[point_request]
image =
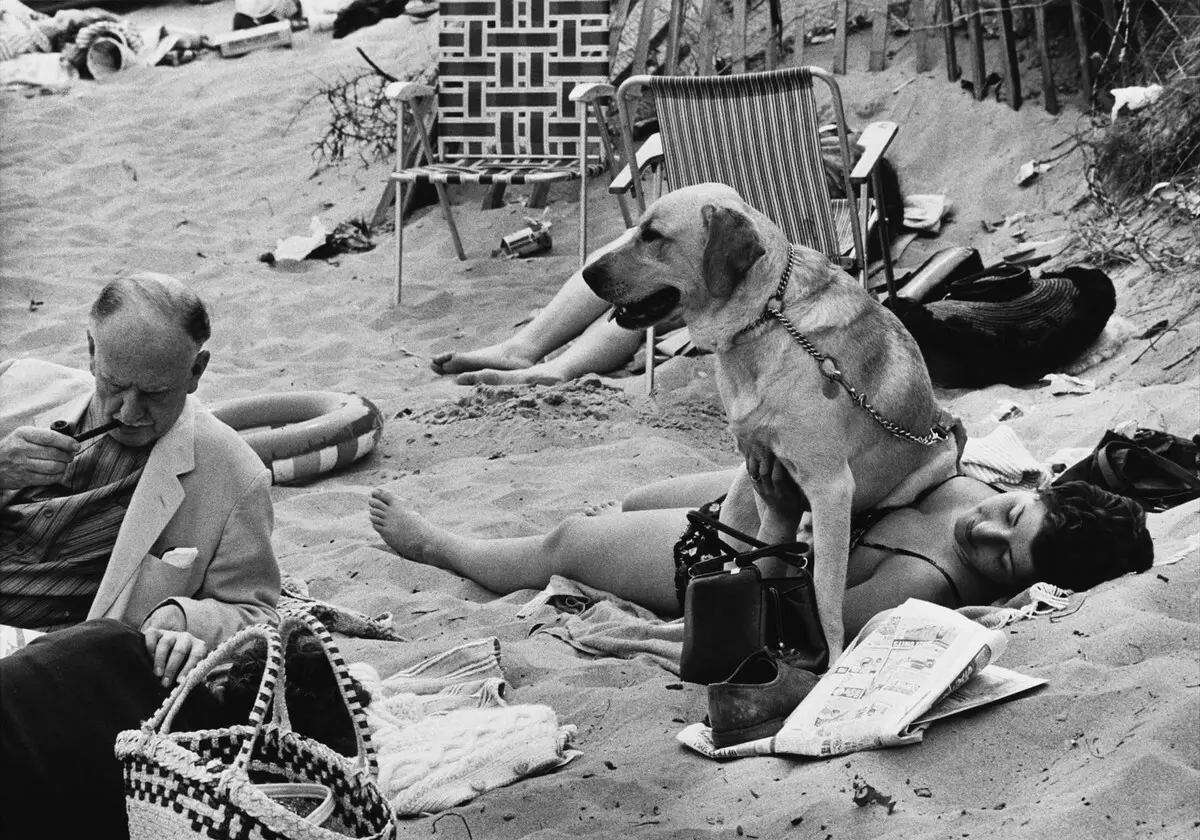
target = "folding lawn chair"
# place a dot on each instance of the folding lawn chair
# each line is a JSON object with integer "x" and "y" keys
{"x": 519, "y": 94}
{"x": 760, "y": 133}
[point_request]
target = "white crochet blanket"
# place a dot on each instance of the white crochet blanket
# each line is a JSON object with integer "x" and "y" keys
{"x": 444, "y": 733}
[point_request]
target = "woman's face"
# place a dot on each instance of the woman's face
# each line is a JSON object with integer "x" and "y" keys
{"x": 995, "y": 535}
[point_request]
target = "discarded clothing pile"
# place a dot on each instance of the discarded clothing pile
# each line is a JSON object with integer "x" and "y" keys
{"x": 1001, "y": 324}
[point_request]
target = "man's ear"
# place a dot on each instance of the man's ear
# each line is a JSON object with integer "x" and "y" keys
{"x": 732, "y": 248}
{"x": 91, "y": 353}
{"x": 199, "y": 365}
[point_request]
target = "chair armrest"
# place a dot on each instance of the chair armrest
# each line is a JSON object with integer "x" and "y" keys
{"x": 874, "y": 141}
{"x": 649, "y": 153}
{"x": 591, "y": 91}
{"x": 408, "y": 91}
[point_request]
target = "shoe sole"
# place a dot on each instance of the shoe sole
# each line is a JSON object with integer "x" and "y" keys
{"x": 730, "y": 737}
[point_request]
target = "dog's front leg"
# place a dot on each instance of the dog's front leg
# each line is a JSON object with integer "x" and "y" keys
{"x": 831, "y": 506}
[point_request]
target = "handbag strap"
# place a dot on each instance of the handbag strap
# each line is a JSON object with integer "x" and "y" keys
{"x": 1122, "y": 484}
{"x": 793, "y": 553}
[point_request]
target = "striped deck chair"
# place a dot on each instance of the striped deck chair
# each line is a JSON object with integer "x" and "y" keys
{"x": 760, "y": 133}
{"x": 518, "y": 101}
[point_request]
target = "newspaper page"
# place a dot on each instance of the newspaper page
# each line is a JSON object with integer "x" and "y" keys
{"x": 895, "y": 671}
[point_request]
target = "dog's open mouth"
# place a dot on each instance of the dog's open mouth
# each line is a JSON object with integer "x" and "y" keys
{"x": 649, "y": 310}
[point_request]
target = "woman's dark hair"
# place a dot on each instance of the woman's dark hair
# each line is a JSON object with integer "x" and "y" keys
{"x": 314, "y": 701}
{"x": 1090, "y": 536}
{"x": 162, "y": 293}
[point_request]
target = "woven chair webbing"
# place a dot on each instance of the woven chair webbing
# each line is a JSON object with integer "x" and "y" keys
{"x": 759, "y": 134}
{"x": 505, "y": 72}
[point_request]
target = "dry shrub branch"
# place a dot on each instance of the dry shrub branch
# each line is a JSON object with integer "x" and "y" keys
{"x": 1131, "y": 158}
{"x": 362, "y": 120}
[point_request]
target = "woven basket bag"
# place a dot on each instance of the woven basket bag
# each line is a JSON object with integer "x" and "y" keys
{"x": 220, "y": 783}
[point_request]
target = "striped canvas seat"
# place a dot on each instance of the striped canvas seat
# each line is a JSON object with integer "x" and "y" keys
{"x": 518, "y": 95}
{"x": 760, "y": 133}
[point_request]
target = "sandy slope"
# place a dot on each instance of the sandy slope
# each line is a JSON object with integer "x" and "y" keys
{"x": 198, "y": 170}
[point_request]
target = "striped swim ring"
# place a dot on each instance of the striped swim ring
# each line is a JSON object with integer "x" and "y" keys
{"x": 303, "y": 434}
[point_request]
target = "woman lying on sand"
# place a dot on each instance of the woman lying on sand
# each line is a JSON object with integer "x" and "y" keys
{"x": 961, "y": 542}
{"x": 574, "y": 318}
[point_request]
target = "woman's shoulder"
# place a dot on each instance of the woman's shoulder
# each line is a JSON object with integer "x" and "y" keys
{"x": 957, "y": 490}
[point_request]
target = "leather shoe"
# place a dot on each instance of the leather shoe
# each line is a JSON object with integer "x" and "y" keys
{"x": 756, "y": 699}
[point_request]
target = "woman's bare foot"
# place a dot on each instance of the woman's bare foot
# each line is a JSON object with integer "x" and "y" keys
{"x": 534, "y": 375}
{"x": 408, "y": 533}
{"x": 493, "y": 357}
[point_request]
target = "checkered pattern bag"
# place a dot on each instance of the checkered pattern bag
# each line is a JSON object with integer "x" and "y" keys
{"x": 211, "y": 783}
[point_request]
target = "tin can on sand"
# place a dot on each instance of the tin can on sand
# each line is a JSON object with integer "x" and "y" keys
{"x": 527, "y": 241}
{"x": 106, "y": 56}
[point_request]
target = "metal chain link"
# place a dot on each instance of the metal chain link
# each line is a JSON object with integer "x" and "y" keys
{"x": 828, "y": 365}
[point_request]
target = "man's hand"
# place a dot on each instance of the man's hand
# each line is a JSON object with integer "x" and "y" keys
{"x": 33, "y": 457}
{"x": 174, "y": 650}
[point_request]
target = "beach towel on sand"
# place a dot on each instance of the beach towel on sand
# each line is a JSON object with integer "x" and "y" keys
{"x": 444, "y": 734}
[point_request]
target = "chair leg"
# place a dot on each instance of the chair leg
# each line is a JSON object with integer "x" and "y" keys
{"x": 399, "y": 196}
{"x": 583, "y": 218}
{"x": 538, "y": 196}
{"x": 493, "y": 197}
{"x": 885, "y": 238}
{"x": 650, "y": 359}
{"x": 448, "y": 215}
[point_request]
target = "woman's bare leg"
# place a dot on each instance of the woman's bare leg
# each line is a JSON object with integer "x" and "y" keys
{"x": 602, "y": 348}
{"x": 571, "y": 311}
{"x": 685, "y": 491}
{"x": 629, "y": 555}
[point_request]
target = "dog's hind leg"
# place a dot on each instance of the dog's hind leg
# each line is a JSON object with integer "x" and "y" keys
{"x": 831, "y": 554}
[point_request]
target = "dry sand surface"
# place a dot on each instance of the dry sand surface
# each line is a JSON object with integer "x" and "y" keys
{"x": 198, "y": 170}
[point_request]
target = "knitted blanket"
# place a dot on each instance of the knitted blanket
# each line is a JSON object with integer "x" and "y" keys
{"x": 444, "y": 733}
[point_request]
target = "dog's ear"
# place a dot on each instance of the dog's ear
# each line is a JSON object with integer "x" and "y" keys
{"x": 732, "y": 248}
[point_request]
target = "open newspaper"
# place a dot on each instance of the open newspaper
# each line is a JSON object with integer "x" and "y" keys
{"x": 907, "y": 668}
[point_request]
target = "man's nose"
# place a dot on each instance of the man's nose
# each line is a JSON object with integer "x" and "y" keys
{"x": 131, "y": 408}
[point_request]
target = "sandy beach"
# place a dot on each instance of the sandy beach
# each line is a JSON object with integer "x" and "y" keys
{"x": 198, "y": 170}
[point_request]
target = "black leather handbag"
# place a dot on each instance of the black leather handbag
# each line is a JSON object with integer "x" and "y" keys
{"x": 728, "y": 615}
{"x": 1157, "y": 469}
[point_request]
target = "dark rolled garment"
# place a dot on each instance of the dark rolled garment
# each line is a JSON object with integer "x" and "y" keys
{"x": 1004, "y": 326}
{"x": 63, "y": 700}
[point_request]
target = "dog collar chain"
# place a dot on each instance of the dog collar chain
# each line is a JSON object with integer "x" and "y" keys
{"x": 768, "y": 312}
{"x": 829, "y": 368}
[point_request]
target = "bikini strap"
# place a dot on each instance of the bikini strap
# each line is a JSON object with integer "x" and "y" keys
{"x": 906, "y": 553}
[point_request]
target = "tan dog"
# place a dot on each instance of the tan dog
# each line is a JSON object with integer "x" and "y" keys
{"x": 703, "y": 252}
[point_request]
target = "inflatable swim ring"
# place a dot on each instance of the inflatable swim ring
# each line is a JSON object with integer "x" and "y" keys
{"x": 300, "y": 435}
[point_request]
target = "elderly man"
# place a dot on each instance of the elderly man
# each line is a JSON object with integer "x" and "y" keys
{"x": 87, "y": 528}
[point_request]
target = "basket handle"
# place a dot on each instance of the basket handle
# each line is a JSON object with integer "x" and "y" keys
{"x": 294, "y": 621}
{"x": 272, "y": 686}
{"x": 164, "y": 718}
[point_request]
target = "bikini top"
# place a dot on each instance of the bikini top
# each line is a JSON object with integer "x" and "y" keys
{"x": 869, "y": 518}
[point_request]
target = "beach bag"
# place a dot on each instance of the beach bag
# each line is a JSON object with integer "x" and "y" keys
{"x": 240, "y": 781}
{"x": 1157, "y": 469}
{"x": 728, "y": 615}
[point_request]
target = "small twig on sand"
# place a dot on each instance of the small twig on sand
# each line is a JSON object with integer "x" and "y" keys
{"x": 433, "y": 825}
{"x": 1183, "y": 358}
{"x": 376, "y": 67}
{"x": 1169, "y": 329}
